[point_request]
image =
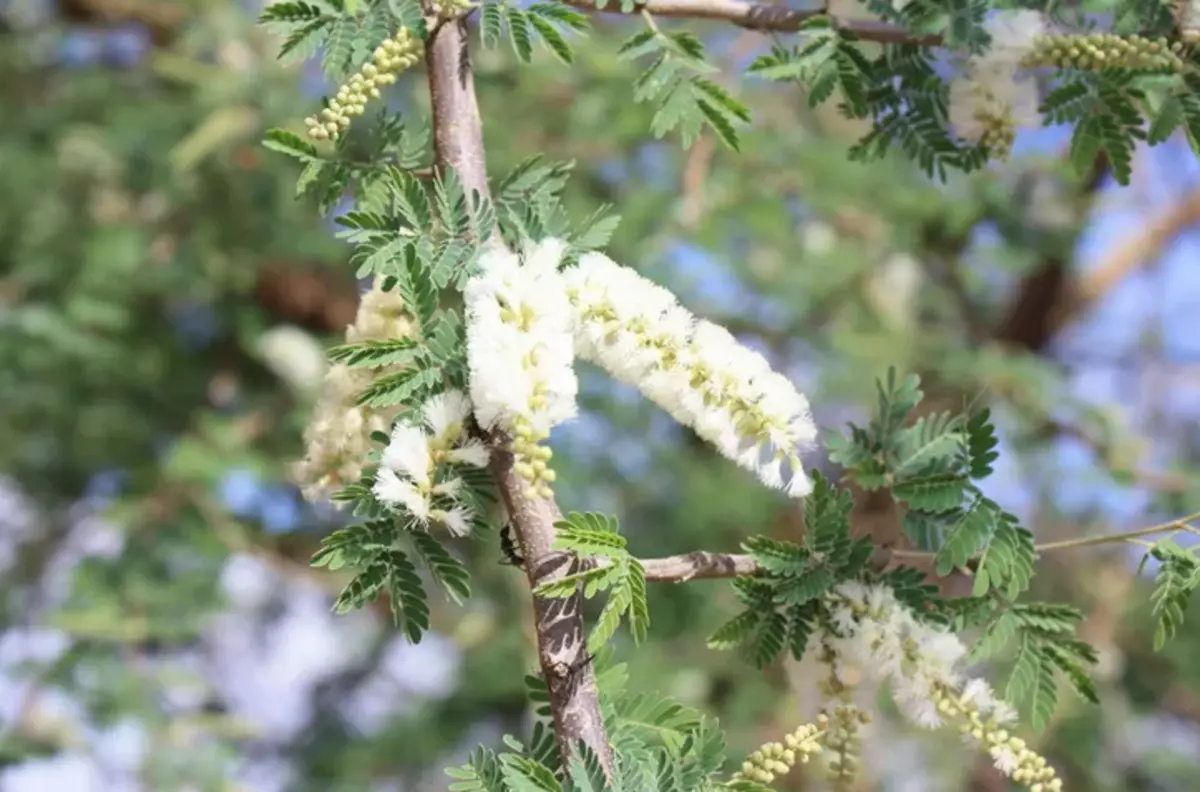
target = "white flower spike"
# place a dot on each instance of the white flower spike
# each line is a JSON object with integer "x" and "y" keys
{"x": 881, "y": 637}
{"x": 519, "y": 351}
{"x": 696, "y": 371}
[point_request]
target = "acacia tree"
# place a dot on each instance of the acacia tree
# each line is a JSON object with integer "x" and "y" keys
{"x": 461, "y": 361}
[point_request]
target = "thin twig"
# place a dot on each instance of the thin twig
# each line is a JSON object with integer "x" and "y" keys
{"x": 712, "y": 566}
{"x": 764, "y": 17}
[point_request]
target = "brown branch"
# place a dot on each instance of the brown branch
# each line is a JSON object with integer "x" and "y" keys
{"x": 763, "y": 17}
{"x": 702, "y": 565}
{"x": 1137, "y": 251}
{"x": 562, "y": 648}
{"x": 699, "y": 565}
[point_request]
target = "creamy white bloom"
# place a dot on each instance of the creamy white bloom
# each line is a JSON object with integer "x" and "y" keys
{"x": 294, "y": 356}
{"x": 695, "y": 370}
{"x": 408, "y": 453}
{"x": 445, "y": 413}
{"x": 1014, "y": 34}
{"x": 519, "y": 343}
{"x": 520, "y": 352}
{"x": 391, "y": 489}
{"x": 990, "y": 98}
{"x": 337, "y": 439}
{"x": 456, "y": 520}
{"x": 883, "y": 638}
{"x": 411, "y": 475}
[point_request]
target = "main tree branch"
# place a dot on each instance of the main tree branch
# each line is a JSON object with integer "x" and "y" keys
{"x": 562, "y": 648}
{"x": 761, "y": 16}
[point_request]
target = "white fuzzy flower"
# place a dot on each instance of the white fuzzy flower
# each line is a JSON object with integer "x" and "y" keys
{"x": 445, "y": 413}
{"x": 390, "y": 488}
{"x": 409, "y": 470}
{"x": 1014, "y": 34}
{"x": 337, "y": 439}
{"x": 990, "y": 99}
{"x": 918, "y": 660}
{"x": 519, "y": 345}
{"x": 456, "y": 520}
{"x": 1004, "y": 759}
{"x": 408, "y": 453}
{"x": 696, "y": 371}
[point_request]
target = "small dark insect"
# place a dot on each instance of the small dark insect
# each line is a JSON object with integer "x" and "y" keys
{"x": 508, "y": 546}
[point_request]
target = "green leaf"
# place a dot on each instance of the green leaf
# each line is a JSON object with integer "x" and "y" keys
{"x": 589, "y": 534}
{"x": 656, "y": 719}
{"x": 290, "y": 143}
{"x": 610, "y": 618}
{"x": 997, "y": 635}
{"x": 409, "y": 386}
{"x": 930, "y": 445}
{"x": 410, "y": 609}
{"x": 777, "y": 556}
{"x": 639, "y": 605}
{"x": 520, "y": 33}
{"x": 362, "y": 588}
{"x": 802, "y": 589}
{"x": 981, "y": 444}
{"x": 1176, "y": 581}
{"x": 447, "y": 570}
{"x": 339, "y": 50}
{"x": 522, "y": 774}
{"x": 491, "y": 21}
{"x": 734, "y": 632}
{"x": 355, "y": 545}
{"x": 594, "y": 579}
{"x": 377, "y": 354}
{"x": 934, "y": 493}
{"x": 409, "y": 14}
{"x": 552, "y": 38}
{"x": 966, "y": 538}
{"x": 641, "y": 43}
{"x": 1168, "y": 118}
{"x": 768, "y": 639}
{"x": 290, "y": 12}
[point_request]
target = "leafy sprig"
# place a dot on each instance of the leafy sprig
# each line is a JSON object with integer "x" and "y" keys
{"x": 594, "y": 537}
{"x": 678, "y": 85}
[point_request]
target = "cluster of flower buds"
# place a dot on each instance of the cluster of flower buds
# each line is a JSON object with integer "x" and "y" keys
{"x": 777, "y": 759}
{"x": 843, "y": 733}
{"x": 390, "y": 58}
{"x": 1012, "y": 756}
{"x": 1096, "y": 51}
{"x": 1000, "y": 133}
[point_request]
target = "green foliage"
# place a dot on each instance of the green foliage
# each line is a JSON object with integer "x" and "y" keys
{"x": 593, "y": 538}
{"x": 675, "y": 84}
{"x": 1045, "y": 641}
{"x": 783, "y": 603}
{"x": 928, "y": 464}
{"x": 545, "y": 21}
{"x": 1177, "y": 579}
{"x": 350, "y": 32}
{"x": 828, "y": 60}
{"x": 659, "y": 745}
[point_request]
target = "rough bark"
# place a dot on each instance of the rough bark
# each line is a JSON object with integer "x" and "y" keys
{"x": 562, "y": 646}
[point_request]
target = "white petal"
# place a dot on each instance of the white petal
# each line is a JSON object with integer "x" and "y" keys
{"x": 408, "y": 453}
{"x": 391, "y": 489}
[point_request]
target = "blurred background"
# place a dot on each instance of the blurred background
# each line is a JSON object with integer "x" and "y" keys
{"x": 160, "y": 628}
